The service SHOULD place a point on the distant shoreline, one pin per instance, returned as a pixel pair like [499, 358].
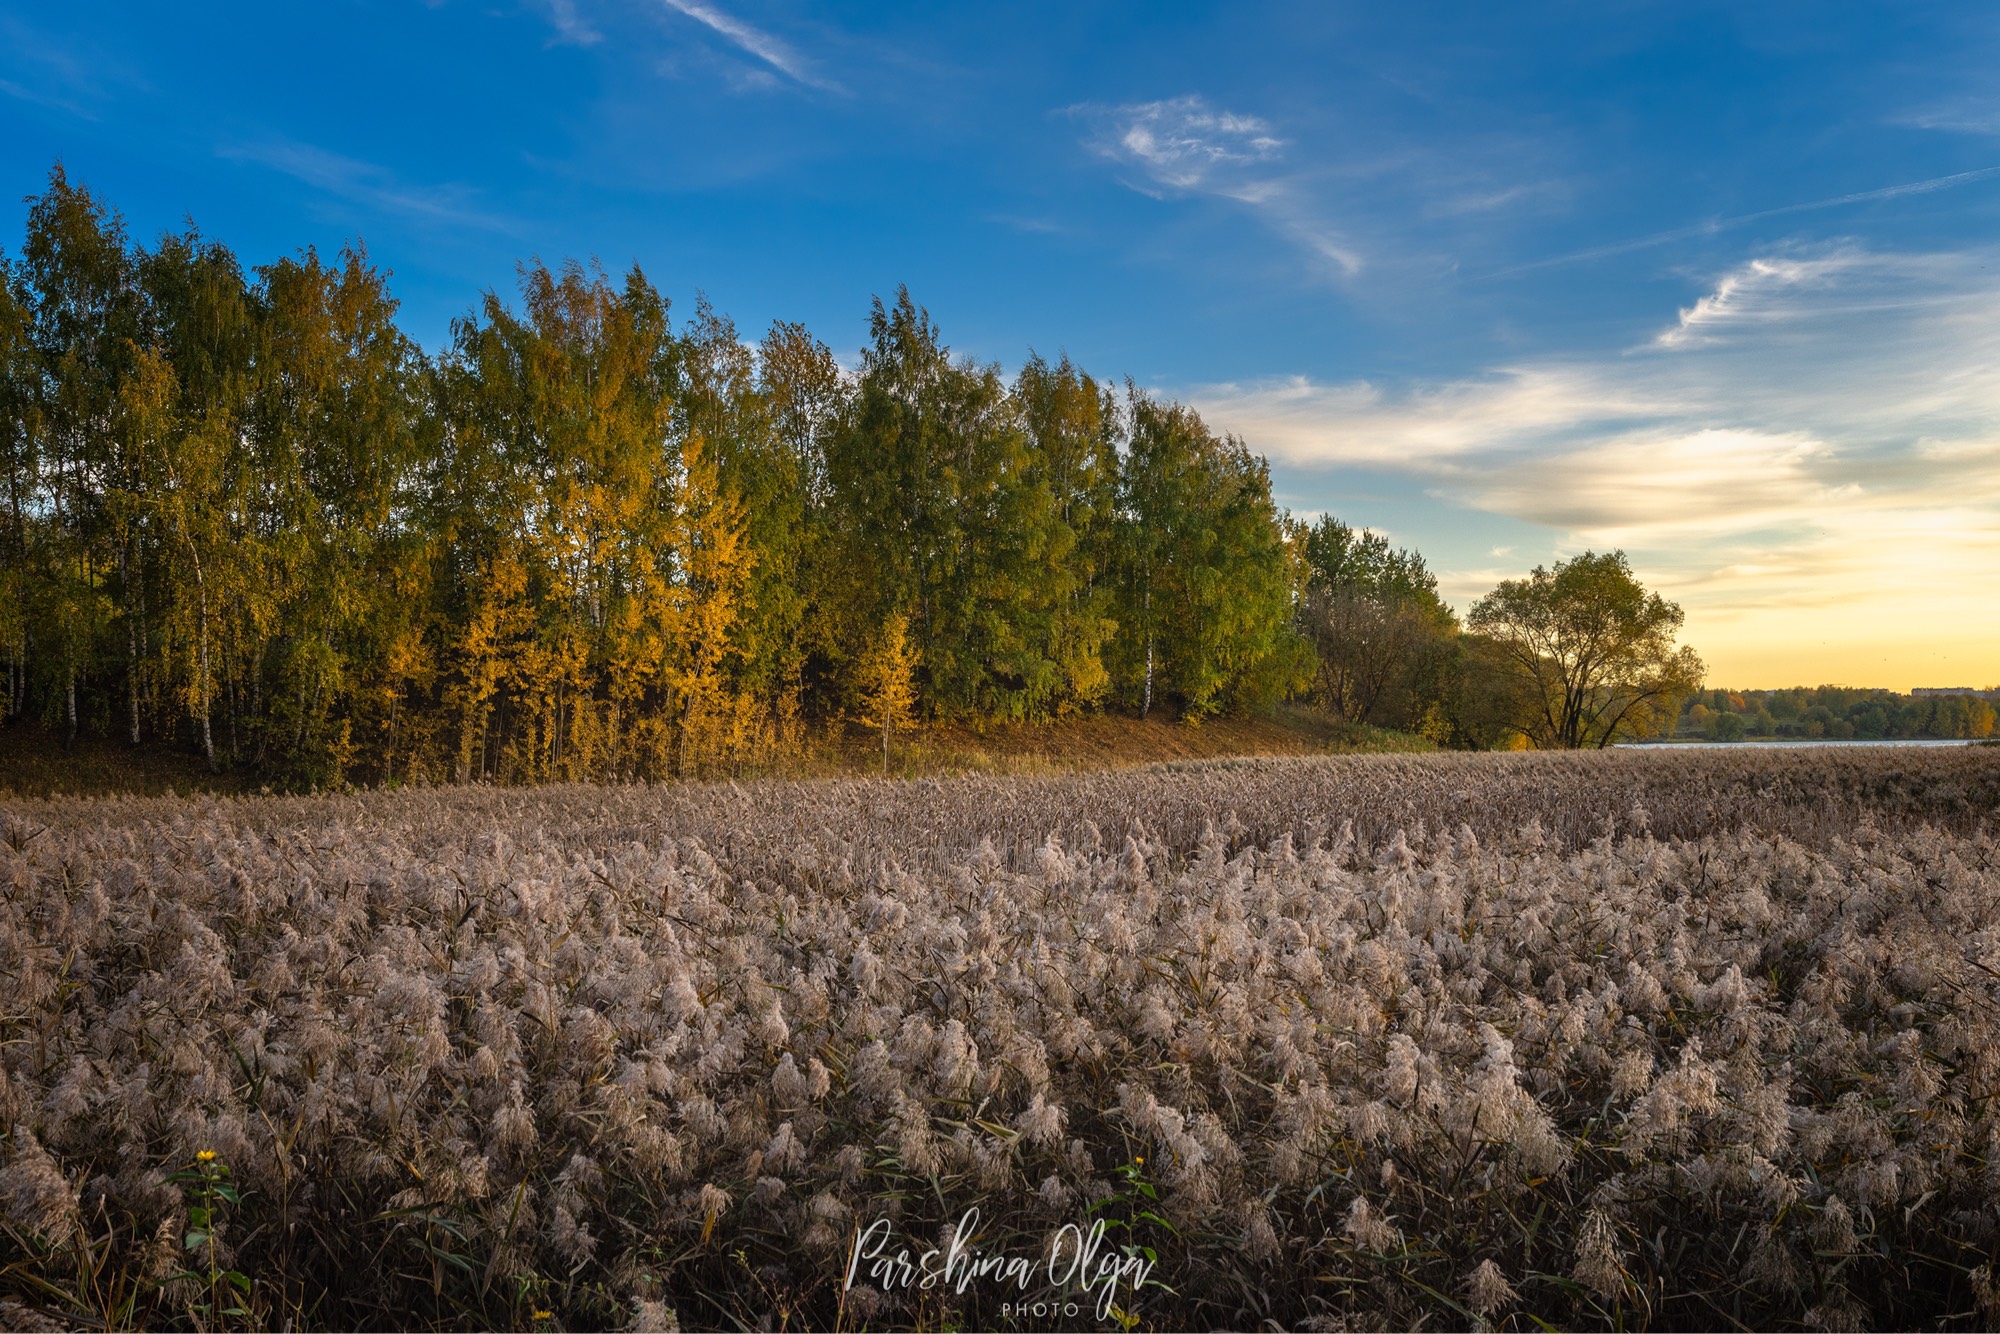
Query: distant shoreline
[1796, 741]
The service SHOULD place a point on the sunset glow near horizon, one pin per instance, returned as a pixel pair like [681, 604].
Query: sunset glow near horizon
[1716, 285]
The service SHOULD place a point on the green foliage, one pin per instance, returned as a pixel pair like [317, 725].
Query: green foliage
[211, 1196]
[1383, 637]
[932, 480]
[1484, 699]
[1072, 426]
[1590, 651]
[1205, 578]
[83, 318]
[1837, 713]
[247, 518]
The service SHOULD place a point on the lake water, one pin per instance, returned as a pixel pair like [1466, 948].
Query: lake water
[1788, 743]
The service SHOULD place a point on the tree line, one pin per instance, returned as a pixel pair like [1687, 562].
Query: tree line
[1837, 713]
[247, 515]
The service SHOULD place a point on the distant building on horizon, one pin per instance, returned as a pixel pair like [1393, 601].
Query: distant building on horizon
[1918, 691]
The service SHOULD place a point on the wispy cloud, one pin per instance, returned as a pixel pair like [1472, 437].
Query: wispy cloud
[570, 26]
[1717, 225]
[1652, 487]
[1872, 351]
[1965, 115]
[1184, 146]
[366, 184]
[1036, 226]
[1817, 430]
[1467, 203]
[43, 98]
[755, 42]
[47, 72]
[1746, 294]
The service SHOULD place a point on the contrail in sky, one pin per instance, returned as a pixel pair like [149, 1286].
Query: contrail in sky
[758, 43]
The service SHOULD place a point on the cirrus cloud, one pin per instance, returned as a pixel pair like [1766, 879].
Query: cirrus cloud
[1183, 146]
[1183, 143]
[1816, 434]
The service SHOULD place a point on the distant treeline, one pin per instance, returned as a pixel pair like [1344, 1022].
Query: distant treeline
[247, 516]
[1837, 713]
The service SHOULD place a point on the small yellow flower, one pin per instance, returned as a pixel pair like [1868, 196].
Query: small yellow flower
[545, 1315]
[1140, 1161]
[206, 1155]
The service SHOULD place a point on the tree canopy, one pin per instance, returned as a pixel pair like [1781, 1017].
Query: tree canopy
[1591, 651]
[247, 516]
[1385, 641]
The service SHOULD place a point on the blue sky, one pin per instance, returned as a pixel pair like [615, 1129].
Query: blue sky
[1714, 284]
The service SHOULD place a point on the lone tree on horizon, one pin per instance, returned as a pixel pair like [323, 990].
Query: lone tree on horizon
[1592, 650]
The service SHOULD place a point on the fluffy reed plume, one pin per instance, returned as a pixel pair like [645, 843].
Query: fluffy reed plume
[1617, 1040]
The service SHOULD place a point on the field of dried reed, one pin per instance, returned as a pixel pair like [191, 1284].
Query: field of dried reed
[1604, 1041]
